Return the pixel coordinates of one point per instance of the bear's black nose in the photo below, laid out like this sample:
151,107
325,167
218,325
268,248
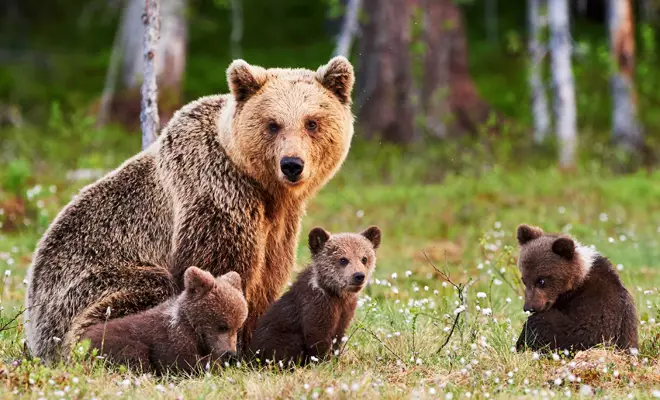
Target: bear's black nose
292,167
358,278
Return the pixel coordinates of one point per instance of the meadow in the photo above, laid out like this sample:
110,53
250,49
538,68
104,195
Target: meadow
444,309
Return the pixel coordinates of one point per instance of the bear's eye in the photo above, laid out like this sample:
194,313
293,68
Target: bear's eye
274,127
223,329
540,282
343,261
364,260
311,125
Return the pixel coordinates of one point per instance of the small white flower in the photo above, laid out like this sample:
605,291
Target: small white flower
359,213
314,358
619,267
481,295
486,311
558,381
160,388
408,274
497,282
449,396
394,275
535,356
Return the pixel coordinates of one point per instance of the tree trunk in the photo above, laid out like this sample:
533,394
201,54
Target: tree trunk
625,126
385,72
127,60
449,97
236,28
536,56
349,29
490,19
149,114
562,74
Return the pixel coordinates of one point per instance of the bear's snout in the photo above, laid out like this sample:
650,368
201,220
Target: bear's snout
292,168
358,278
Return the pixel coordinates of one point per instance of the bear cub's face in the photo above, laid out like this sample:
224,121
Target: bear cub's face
343,262
550,265
293,126
216,308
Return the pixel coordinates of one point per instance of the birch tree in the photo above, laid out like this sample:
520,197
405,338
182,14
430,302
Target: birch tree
536,55
348,29
625,126
562,76
149,114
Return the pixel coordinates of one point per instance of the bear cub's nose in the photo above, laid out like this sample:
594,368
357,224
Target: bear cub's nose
292,167
358,278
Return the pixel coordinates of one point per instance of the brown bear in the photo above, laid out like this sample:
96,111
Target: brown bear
577,298
185,333
223,188
309,321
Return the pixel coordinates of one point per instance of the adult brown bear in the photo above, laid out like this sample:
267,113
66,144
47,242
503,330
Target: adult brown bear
224,188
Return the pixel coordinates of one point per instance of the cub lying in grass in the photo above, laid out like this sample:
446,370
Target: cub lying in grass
184,333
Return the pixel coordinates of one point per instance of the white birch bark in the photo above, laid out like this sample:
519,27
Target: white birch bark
626,130
149,114
536,56
562,75
349,29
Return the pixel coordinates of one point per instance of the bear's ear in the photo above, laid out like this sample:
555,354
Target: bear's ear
244,79
373,234
338,77
233,278
197,282
564,247
526,233
317,239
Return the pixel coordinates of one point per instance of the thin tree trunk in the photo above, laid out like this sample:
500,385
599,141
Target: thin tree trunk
384,101
536,56
349,29
490,19
111,76
562,74
149,114
625,126
236,28
648,10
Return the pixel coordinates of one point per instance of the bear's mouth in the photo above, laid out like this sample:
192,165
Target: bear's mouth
354,287
292,182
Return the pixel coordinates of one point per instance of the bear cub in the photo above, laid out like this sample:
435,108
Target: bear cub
185,333
577,298
308,322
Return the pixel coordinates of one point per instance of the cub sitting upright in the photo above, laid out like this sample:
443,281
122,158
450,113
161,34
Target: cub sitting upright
195,328
576,297
314,314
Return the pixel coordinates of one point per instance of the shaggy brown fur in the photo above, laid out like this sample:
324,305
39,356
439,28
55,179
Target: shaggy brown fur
577,298
185,333
224,188
311,318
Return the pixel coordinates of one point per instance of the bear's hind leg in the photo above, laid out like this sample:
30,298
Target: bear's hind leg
139,290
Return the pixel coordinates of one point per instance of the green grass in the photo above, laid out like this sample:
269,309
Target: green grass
462,212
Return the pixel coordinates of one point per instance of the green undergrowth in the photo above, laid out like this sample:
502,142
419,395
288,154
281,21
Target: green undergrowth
441,213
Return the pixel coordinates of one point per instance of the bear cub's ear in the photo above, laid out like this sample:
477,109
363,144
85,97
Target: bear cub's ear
373,234
527,233
244,79
197,282
564,247
317,239
233,278
338,77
